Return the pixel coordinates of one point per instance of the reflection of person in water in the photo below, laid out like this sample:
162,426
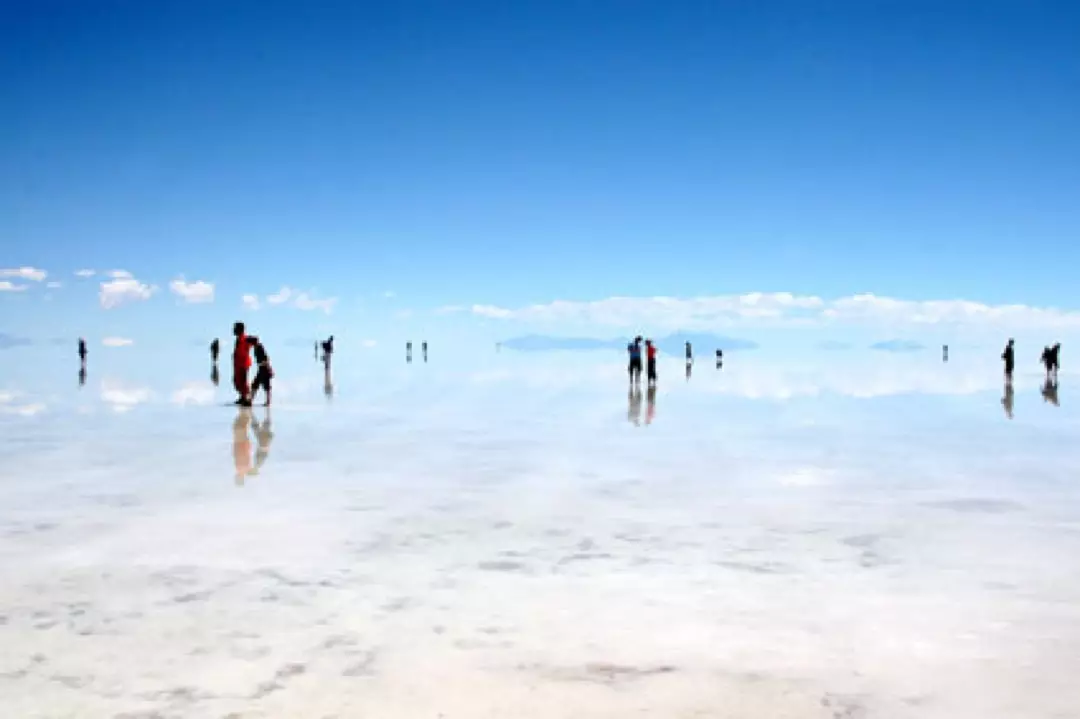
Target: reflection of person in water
650,409
408,351
82,375
1050,392
264,435
1007,400
689,369
241,444
633,412
215,376
944,353
328,383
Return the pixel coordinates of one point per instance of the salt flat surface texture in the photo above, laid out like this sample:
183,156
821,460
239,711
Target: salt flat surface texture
518,535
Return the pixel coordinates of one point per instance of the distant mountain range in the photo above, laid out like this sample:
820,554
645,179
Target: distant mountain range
703,344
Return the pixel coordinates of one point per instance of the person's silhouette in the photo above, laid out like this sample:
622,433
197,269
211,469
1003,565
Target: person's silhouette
650,409
1007,399
215,376
82,375
1050,392
1009,357
408,351
423,348
241,444
689,369
633,412
328,384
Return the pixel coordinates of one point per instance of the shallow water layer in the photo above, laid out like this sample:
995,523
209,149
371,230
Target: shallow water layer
526,536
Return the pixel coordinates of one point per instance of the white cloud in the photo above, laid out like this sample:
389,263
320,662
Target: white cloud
251,302
119,274
198,393
6,286
25,273
123,397
450,309
196,292
304,301
54,285
23,410
781,309
85,273
117,342
123,289
281,297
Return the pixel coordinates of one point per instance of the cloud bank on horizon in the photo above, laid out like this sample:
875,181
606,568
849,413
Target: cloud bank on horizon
777,309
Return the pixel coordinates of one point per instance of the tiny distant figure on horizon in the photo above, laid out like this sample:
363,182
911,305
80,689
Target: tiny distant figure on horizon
689,354
633,410
316,350
1007,399
264,437
1055,360
1050,392
328,350
215,377
264,373
719,359
1009,356
408,351
944,353
650,362
241,445
633,349
215,349
650,404
423,348
241,364
82,352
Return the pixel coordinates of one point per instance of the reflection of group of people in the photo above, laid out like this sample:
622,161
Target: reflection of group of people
1051,361
633,413
242,455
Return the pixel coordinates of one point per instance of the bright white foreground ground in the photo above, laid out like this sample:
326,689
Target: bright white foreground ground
873,538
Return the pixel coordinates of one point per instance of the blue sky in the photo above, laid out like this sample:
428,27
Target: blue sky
490,156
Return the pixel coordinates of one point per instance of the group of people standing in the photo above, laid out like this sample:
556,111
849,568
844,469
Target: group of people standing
246,345
1050,358
634,349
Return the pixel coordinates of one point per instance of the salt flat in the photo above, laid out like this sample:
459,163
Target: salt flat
836,536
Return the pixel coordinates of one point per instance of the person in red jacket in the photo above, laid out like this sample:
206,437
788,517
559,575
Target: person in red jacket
650,362
241,364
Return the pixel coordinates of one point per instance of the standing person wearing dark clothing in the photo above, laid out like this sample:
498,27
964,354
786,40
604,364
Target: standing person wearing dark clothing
719,359
650,361
689,354
82,351
1009,356
944,353
634,368
328,350
424,349
408,351
1048,362
1055,359
316,349
264,372
215,350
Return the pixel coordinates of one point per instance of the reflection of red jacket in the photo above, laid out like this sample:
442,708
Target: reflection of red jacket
242,353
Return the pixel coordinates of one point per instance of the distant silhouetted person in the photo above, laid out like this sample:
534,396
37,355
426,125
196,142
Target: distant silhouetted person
650,361
1055,359
316,350
1009,356
719,359
633,411
82,352
944,353
215,349
1050,392
1007,399
264,373
650,404
689,354
1047,361
423,348
328,350
408,351
633,350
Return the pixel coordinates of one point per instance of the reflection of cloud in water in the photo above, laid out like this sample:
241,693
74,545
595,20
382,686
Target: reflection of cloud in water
122,397
197,393
9,405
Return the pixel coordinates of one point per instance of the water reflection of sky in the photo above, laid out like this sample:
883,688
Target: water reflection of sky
859,533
